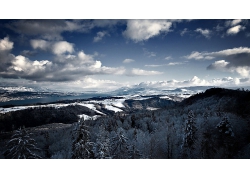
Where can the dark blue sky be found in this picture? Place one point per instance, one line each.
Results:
(81, 55)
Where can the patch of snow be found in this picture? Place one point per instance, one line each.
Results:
(91, 106)
(165, 97)
(86, 117)
(112, 108)
(184, 96)
(151, 108)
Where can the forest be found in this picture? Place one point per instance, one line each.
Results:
(210, 125)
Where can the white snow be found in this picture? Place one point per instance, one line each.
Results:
(86, 117)
(112, 108)
(184, 96)
(165, 97)
(90, 106)
(151, 108)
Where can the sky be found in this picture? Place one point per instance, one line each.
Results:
(102, 55)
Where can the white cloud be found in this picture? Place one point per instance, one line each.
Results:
(174, 63)
(62, 47)
(197, 56)
(228, 52)
(64, 67)
(204, 32)
(222, 65)
(99, 36)
(40, 44)
(235, 60)
(196, 81)
(5, 44)
(184, 31)
(141, 30)
(219, 65)
(57, 47)
(84, 58)
(234, 30)
(90, 83)
(168, 58)
(155, 65)
(211, 55)
(24, 67)
(160, 65)
(243, 71)
(235, 22)
(126, 61)
(141, 72)
(232, 22)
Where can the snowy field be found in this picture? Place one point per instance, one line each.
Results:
(110, 104)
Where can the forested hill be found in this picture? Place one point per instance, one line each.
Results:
(212, 124)
(227, 100)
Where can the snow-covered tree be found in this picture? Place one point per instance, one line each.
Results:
(102, 146)
(120, 145)
(189, 135)
(207, 143)
(190, 130)
(225, 127)
(226, 138)
(134, 152)
(82, 147)
(21, 146)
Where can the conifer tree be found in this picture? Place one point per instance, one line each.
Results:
(102, 146)
(21, 146)
(82, 147)
(190, 130)
(120, 145)
(207, 147)
(226, 138)
(189, 135)
(134, 153)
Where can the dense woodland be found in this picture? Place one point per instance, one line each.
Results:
(213, 124)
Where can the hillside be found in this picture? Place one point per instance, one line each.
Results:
(211, 125)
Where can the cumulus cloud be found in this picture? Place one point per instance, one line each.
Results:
(204, 32)
(25, 68)
(219, 65)
(5, 44)
(126, 61)
(57, 47)
(141, 30)
(222, 65)
(141, 72)
(40, 44)
(61, 47)
(196, 81)
(64, 67)
(234, 60)
(5, 47)
(235, 30)
(232, 22)
(99, 36)
(235, 22)
(85, 84)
